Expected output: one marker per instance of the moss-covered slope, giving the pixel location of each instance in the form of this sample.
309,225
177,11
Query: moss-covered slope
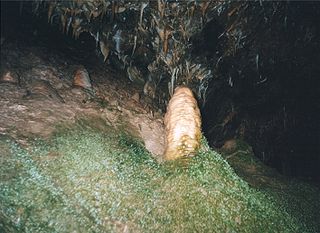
85,180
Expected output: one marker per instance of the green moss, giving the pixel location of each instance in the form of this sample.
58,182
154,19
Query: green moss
93,180
300,199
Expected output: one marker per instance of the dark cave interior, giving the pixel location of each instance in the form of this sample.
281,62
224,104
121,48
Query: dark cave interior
270,100
274,106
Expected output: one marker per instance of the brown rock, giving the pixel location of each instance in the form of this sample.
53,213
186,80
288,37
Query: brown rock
10,77
81,79
229,146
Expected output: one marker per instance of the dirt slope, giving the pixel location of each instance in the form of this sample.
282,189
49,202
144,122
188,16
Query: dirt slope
44,96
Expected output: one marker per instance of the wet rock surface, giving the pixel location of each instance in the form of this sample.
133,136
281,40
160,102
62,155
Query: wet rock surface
47,96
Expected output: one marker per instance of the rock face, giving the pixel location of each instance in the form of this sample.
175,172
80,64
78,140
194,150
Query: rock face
182,125
56,91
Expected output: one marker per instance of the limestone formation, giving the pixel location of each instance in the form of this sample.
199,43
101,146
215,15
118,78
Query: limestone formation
182,125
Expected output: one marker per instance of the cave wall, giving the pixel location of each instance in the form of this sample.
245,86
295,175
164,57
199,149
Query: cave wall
266,91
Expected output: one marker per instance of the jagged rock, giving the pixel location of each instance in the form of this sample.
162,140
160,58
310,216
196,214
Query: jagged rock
134,75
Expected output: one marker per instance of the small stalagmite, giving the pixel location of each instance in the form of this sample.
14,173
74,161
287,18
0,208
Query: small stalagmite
81,79
182,125
105,50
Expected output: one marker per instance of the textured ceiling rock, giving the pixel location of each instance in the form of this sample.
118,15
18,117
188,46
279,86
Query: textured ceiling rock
152,39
